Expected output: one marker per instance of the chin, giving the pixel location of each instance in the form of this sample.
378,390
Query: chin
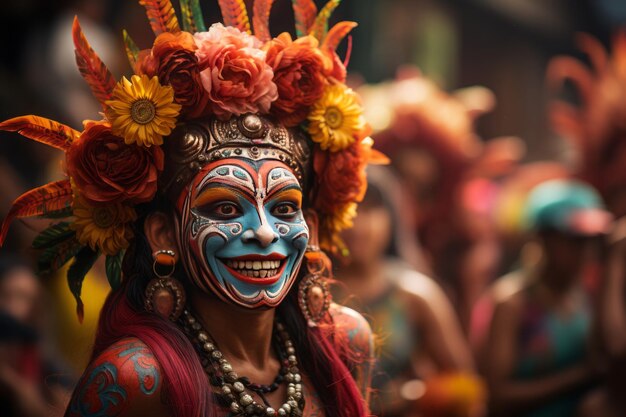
258,282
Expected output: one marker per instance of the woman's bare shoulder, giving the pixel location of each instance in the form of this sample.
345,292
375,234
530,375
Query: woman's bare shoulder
123,380
352,325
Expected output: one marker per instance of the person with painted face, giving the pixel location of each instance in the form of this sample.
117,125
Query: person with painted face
539,341
223,170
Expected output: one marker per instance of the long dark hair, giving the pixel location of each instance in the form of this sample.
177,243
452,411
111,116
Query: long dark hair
187,389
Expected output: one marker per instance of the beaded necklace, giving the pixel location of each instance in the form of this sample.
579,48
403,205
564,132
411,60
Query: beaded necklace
232,390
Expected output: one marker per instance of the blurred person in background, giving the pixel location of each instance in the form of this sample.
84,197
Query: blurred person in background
419,334
538,346
31,384
448,175
595,126
508,214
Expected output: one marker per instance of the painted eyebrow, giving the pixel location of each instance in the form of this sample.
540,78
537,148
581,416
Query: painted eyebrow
215,191
290,190
288,184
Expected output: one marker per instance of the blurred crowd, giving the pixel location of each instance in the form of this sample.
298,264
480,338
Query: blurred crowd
490,261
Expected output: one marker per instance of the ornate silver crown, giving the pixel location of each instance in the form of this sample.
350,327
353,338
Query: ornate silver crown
197,143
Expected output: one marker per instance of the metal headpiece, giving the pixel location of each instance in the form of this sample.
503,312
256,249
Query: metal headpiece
196,143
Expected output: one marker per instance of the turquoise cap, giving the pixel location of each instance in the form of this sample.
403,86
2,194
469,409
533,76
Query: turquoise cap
569,206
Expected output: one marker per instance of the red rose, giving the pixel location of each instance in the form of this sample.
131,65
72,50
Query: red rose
106,170
298,73
174,60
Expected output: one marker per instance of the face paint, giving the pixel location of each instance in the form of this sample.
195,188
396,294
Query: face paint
242,232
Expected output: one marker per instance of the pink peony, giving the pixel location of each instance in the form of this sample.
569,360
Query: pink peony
233,71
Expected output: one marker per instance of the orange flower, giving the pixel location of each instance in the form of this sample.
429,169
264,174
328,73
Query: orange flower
333,66
341,183
174,61
298,73
106,170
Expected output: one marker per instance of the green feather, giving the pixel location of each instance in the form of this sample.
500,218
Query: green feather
54,257
132,51
59,214
193,21
53,235
114,269
83,261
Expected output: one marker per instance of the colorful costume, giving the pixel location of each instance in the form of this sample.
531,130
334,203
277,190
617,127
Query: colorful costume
255,150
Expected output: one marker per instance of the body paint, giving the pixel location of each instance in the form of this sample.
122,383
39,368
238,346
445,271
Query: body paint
122,373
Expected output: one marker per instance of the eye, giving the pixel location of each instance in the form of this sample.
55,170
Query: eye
285,210
227,210
223,210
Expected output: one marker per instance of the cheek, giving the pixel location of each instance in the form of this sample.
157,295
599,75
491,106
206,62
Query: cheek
210,237
294,234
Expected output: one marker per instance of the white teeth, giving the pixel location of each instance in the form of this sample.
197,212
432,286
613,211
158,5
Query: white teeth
255,269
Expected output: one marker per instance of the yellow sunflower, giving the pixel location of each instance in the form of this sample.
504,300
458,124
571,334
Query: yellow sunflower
106,228
142,111
333,225
336,118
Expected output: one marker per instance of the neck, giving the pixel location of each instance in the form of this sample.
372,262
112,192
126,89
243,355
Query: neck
243,335
363,278
552,279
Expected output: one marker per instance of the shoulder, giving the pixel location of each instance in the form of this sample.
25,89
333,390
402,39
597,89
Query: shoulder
422,293
357,337
354,328
509,299
124,377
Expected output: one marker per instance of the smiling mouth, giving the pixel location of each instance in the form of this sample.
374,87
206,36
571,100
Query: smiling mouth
256,269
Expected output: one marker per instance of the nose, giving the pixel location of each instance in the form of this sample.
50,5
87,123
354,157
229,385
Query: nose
264,235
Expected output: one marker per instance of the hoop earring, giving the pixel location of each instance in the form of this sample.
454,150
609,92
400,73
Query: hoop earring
165,295
314,297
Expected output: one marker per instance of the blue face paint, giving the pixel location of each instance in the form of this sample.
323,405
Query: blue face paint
244,231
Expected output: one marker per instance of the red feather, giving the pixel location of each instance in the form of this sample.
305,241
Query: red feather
336,34
235,14
305,12
40,201
42,130
161,15
91,67
261,19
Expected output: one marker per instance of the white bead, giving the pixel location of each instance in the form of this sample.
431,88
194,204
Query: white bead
246,399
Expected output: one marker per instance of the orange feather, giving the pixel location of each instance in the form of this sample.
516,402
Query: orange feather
161,15
336,34
261,19
91,67
305,12
43,201
235,14
320,26
42,130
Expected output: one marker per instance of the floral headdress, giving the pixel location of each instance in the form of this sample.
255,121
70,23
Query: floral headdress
223,73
